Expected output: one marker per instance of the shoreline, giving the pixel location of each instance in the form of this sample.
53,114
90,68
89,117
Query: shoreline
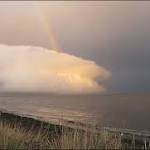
34,124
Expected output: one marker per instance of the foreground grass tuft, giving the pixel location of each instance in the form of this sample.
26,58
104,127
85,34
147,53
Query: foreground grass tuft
14,136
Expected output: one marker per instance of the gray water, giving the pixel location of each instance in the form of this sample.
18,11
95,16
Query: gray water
123,111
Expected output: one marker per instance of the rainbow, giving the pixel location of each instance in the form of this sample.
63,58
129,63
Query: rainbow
54,43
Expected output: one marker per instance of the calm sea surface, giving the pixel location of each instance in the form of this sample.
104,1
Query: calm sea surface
125,111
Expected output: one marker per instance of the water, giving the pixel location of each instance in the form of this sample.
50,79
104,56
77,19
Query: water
124,111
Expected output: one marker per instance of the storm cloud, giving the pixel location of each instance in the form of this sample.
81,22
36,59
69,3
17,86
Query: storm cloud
113,34
28,68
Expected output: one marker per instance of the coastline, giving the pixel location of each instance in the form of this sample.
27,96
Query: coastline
51,129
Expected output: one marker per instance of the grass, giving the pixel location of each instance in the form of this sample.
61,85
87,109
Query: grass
15,137
24,133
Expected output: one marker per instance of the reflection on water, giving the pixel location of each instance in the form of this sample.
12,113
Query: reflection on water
125,111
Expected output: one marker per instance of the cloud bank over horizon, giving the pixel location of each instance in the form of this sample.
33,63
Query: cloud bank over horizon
29,68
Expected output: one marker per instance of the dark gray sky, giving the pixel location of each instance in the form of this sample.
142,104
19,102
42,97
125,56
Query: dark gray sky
115,35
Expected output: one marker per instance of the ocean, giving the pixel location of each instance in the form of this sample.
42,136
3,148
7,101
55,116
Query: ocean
118,111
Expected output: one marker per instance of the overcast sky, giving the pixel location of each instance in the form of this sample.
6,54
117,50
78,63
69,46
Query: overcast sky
115,35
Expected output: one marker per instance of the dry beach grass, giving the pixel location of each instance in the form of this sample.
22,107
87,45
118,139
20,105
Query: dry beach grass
26,133
15,137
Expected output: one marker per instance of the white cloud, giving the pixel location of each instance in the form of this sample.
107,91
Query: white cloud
28,68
